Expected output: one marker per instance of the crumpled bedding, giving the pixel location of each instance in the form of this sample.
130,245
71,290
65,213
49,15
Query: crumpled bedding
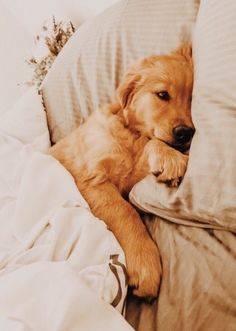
198,288
60,268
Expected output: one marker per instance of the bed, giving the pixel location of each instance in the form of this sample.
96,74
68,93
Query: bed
61,269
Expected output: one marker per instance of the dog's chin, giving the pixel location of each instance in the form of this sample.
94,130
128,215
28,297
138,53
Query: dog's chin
183,148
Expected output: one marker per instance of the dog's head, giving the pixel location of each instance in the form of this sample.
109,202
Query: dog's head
155,96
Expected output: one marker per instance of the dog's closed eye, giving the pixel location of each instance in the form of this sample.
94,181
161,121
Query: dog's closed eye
163,95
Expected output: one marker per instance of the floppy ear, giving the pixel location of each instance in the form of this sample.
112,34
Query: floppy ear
184,50
127,88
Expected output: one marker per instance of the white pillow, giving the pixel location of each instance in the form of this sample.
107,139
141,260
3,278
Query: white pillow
14,42
32,13
207,195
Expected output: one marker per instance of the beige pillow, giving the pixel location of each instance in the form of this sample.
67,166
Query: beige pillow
90,67
207,195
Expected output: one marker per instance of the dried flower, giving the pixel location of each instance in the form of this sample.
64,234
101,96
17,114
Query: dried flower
49,44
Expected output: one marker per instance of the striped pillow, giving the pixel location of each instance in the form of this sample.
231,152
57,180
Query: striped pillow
207,195
88,70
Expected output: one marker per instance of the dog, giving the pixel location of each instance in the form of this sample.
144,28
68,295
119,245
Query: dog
144,132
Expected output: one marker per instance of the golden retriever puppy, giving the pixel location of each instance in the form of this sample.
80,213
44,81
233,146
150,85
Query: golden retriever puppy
123,142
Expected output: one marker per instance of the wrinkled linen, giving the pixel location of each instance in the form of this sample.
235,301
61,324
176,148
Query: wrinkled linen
198,287
60,268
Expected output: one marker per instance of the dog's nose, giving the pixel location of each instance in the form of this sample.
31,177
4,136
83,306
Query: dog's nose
183,134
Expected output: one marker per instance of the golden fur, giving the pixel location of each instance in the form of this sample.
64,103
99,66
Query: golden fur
122,143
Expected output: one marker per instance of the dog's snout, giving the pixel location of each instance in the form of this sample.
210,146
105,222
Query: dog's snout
183,134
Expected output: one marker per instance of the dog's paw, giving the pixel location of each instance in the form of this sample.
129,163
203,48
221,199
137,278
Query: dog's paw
168,167
144,269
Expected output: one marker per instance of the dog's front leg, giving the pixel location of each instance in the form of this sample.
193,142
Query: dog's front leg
166,163
142,255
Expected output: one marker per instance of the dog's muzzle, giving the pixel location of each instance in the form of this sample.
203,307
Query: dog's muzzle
183,134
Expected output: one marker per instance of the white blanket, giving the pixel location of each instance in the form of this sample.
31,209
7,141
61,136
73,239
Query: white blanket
60,268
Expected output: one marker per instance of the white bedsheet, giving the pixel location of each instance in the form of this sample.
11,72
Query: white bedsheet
60,268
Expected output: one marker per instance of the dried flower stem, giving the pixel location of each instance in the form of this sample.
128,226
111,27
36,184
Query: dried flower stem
59,36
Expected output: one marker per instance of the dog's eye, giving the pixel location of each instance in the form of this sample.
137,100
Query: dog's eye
163,95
